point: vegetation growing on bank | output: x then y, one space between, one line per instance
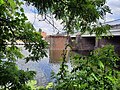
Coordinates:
97 71
14 26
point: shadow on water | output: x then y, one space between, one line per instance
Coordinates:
44 67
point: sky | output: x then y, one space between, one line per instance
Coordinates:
115 9
33 17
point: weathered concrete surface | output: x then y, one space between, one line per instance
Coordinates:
86 44
57 45
82 45
111 40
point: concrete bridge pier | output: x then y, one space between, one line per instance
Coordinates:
57 45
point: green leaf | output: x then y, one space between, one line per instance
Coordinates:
94 76
83 86
50 85
12 4
111 79
101 64
21 9
1 2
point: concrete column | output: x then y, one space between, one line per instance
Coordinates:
97 42
57 45
78 37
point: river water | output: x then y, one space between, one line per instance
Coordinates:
43 67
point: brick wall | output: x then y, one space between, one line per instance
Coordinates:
57 45
57 42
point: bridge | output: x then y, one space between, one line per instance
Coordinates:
85 43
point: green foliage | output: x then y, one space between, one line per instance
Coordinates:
33 43
33 86
12 78
14 27
81 15
13 53
96 71
1 2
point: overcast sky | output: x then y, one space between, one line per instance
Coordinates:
31 13
115 9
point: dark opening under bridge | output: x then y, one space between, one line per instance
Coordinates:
83 44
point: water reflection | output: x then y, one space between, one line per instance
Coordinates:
55 56
44 67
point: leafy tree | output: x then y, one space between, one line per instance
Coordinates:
13 27
97 70
81 15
